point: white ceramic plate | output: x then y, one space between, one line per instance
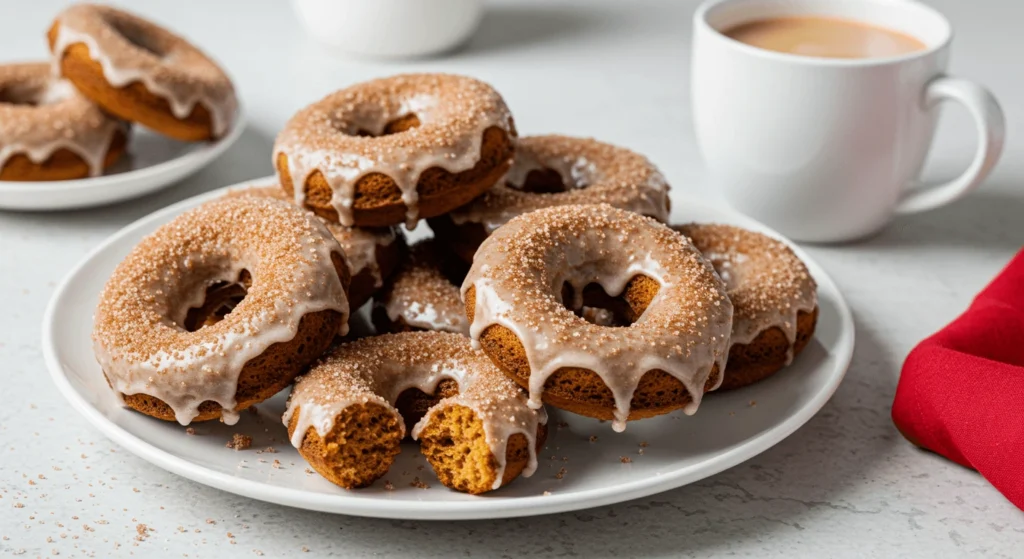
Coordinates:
153 162
728 429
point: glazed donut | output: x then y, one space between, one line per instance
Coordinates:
423 294
220 309
527 271
774 299
142 72
342 415
396 149
48 131
372 253
557 171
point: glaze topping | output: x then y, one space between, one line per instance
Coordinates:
378 369
40 115
139 335
591 172
342 136
518 275
766 282
422 295
132 49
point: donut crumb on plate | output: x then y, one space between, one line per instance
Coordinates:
239 442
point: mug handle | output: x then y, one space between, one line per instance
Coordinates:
988 116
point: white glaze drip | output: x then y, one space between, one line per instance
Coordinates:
182 95
139 339
58 118
428 316
767 283
377 370
746 326
452 120
422 296
598 316
518 273
360 246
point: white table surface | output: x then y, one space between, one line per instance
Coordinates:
845 485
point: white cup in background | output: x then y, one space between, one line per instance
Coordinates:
390 28
829 149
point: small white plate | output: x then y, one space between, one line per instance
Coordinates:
728 429
152 162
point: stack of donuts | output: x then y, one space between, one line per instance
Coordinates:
70 117
551 278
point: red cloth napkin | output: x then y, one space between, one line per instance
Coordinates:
961 393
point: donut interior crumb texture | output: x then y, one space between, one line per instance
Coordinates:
359 448
473 424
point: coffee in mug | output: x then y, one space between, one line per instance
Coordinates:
825 37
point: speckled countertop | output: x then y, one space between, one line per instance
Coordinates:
845 485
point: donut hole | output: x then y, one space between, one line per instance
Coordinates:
545 181
614 311
219 300
414 403
138 35
396 126
22 94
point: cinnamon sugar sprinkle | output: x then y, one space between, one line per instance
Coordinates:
766 282
139 337
519 270
421 295
453 111
359 243
378 369
593 172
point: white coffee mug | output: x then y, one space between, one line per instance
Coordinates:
829 149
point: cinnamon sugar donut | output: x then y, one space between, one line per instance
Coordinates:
372 253
142 72
48 131
530 269
396 149
220 309
481 436
424 293
553 171
774 299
